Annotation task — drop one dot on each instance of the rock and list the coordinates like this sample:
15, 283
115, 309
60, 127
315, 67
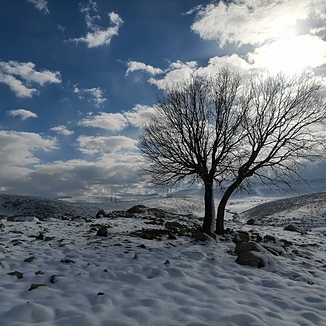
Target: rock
138, 209
102, 231
251, 222
39, 273
173, 225
100, 213
250, 259
269, 238
171, 236
35, 286
29, 259
245, 247
241, 236
200, 236
52, 278
167, 262
16, 273
2, 225
294, 228
135, 256
67, 261
100, 293
40, 236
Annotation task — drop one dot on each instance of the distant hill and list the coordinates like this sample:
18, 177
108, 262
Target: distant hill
42, 207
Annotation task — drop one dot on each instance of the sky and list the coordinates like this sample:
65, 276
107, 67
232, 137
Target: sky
78, 79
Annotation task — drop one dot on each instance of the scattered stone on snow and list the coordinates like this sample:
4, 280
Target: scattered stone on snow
35, 286
67, 261
251, 221
250, 259
53, 278
167, 262
245, 247
200, 236
17, 274
294, 228
102, 231
39, 273
29, 259
100, 293
135, 256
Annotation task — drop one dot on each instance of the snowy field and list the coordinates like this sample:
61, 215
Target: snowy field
56, 270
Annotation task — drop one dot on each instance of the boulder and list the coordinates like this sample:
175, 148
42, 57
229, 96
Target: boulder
293, 228
250, 259
102, 231
246, 247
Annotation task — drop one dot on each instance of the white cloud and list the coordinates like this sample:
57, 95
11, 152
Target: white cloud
102, 144
98, 35
177, 72
24, 114
108, 121
290, 55
17, 148
135, 65
96, 93
252, 21
41, 5
20, 75
139, 115
62, 130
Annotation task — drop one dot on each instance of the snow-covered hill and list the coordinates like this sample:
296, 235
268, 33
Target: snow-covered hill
142, 267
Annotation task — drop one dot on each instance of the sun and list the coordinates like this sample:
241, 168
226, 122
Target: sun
290, 55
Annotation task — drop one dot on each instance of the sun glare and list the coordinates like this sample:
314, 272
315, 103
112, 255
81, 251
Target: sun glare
290, 55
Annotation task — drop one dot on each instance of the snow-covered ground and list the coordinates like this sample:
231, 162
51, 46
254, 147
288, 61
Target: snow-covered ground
84, 279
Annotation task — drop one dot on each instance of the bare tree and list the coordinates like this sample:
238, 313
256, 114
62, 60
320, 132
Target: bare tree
193, 135
283, 116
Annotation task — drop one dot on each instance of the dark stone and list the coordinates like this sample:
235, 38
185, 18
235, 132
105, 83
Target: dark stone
52, 278
100, 293
200, 236
269, 238
138, 209
251, 222
100, 214
67, 261
245, 247
294, 228
35, 286
102, 231
250, 259
16, 273
29, 259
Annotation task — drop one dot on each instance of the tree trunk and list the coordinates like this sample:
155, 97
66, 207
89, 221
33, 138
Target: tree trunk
221, 206
209, 218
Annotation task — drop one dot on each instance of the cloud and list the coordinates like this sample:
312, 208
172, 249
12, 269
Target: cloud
41, 5
62, 130
20, 75
251, 22
17, 148
290, 55
96, 93
177, 71
102, 144
139, 115
136, 117
134, 66
107, 121
98, 36
24, 114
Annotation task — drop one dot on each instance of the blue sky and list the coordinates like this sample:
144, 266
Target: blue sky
78, 78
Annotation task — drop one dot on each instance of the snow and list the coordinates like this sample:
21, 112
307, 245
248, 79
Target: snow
86, 279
